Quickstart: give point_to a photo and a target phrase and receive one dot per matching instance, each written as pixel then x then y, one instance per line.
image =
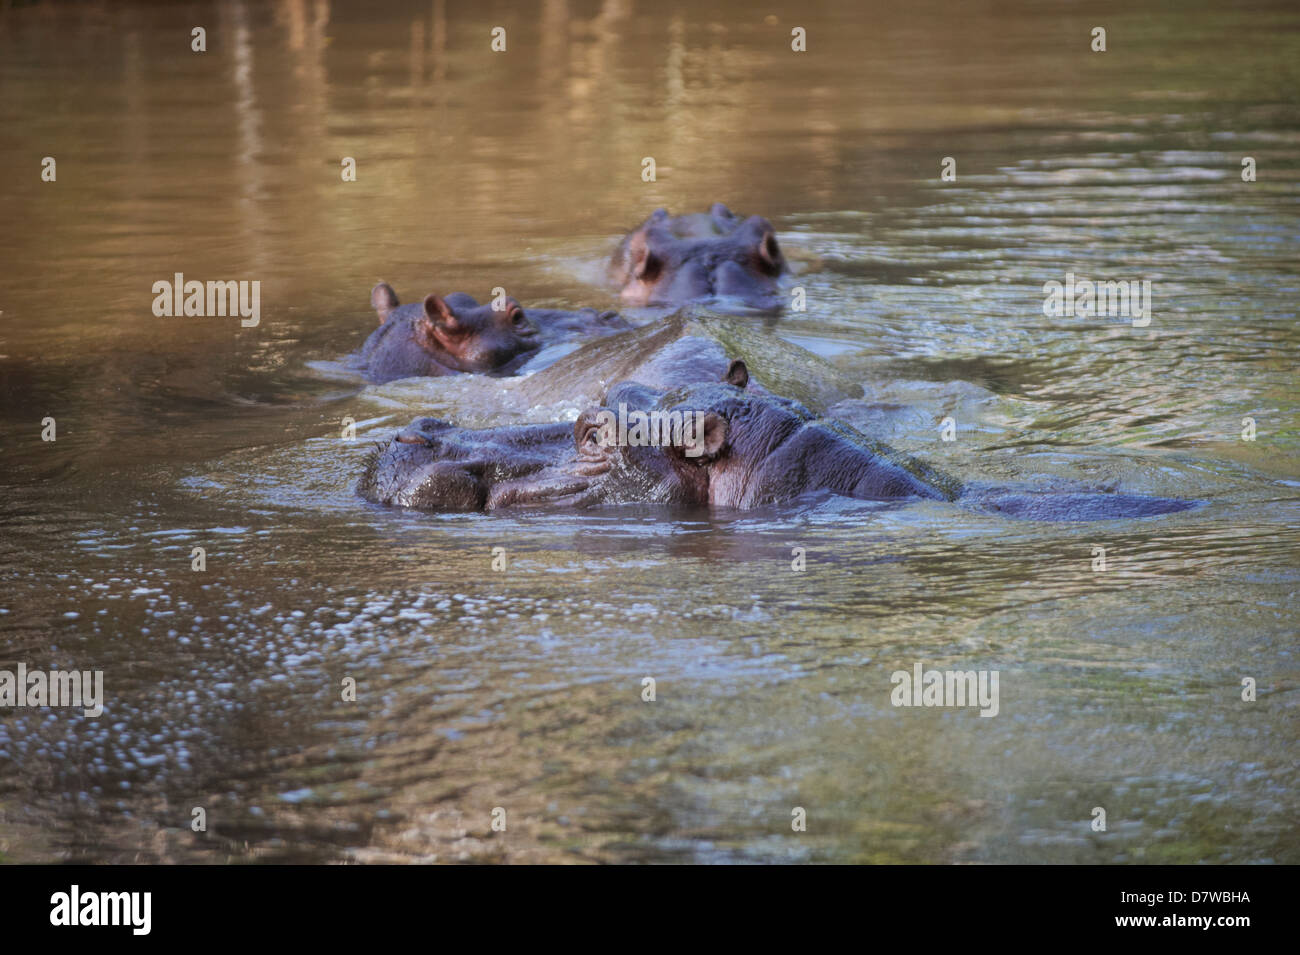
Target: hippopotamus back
pixel 686 348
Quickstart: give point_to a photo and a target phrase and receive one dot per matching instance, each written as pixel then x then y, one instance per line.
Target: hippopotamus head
pixel 741 447
pixel 675 260
pixel 455 333
pixel 717 444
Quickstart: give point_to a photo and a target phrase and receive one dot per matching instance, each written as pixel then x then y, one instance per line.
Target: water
pixel 522 689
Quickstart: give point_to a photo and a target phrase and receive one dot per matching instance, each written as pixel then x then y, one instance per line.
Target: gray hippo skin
pixel 746 449
pixel 687 347
pixel 674 260
pixel 455 335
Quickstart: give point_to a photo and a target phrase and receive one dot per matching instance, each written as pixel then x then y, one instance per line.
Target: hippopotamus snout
pixel 435 466
pixel 731 280
pixel 423 431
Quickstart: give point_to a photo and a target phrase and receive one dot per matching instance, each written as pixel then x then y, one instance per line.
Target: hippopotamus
pixel 455 334
pixel 716 444
pixel 718 256
pixel 688 346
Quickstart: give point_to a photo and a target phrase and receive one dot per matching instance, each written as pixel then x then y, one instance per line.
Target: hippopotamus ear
pixel 715 434
pixel 704 437
pixel 645 264
pixel 737 373
pixel 769 251
pixel 383 300
pixel 439 313
pixel 723 217
pixel 759 232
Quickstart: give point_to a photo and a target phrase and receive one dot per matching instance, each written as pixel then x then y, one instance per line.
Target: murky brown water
pixel 523 689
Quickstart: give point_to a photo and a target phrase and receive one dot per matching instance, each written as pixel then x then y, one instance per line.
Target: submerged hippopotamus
pixel 718 444
pixel 673 260
pixel 455 334
pixel 687 347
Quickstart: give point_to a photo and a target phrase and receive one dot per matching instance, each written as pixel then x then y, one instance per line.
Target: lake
pixel 226 689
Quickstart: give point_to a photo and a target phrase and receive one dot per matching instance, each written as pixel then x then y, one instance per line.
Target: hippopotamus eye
pixel 587 435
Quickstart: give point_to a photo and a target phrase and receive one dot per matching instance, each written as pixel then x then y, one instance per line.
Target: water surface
pixel 522 689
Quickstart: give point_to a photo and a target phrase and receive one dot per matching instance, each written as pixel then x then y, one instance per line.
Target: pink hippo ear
pixel 757 236
pixel 646 265
pixel 439 313
pixel 515 314
pixel 705 439
pixel 383 300
pixel 715 434
pixel 737 374
pixel 769 251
